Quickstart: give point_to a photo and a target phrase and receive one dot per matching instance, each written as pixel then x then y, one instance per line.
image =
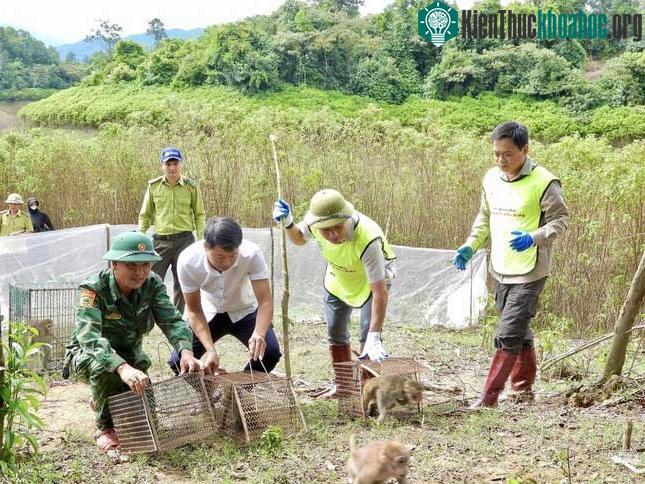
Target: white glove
pixel 282 213
pixel 374 349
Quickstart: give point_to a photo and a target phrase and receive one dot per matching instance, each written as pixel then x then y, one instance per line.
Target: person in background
pixel 173 204
pixel 39 219
pixel 14 221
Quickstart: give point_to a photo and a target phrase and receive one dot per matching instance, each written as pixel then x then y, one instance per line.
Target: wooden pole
pixel 625 322
pixel 627 436
pixel 285 272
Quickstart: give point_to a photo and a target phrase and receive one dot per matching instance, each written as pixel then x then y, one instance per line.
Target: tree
pixel 625 322
pixel 156 30
pixel 350 6
pixel 107 33
pixel 70 57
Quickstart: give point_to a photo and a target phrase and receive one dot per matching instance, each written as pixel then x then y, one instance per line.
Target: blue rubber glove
pixel 521 241
pixel 282 213
pixel 464 253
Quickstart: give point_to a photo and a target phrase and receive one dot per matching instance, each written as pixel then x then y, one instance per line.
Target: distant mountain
pixel 82 50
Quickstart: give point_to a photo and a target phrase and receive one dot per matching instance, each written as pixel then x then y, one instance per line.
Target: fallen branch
pixel 585 346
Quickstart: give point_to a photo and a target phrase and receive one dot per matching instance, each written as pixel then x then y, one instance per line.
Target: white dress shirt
pixel 223 292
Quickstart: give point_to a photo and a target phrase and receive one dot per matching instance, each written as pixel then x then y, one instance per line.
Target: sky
pixel 58 22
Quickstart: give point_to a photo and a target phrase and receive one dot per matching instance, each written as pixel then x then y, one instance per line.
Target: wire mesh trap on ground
pixel 169 414
pixel 194 408
pixel 246 403
pixel 351 377
pixel 50 307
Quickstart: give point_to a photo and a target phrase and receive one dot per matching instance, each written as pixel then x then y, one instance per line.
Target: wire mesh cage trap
pixel 246 403
pixel 351 377
pixel 170 413
pixel 194 408
pixel 50 308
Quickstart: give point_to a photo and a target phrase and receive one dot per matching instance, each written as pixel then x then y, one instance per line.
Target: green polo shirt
pixel 173 208
pixel 110 326
pixel 19 223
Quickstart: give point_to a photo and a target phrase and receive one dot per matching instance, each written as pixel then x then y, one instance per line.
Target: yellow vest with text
pixel 514 205
pixel 345 277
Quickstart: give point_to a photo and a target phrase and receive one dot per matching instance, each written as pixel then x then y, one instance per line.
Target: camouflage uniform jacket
pixel 110 327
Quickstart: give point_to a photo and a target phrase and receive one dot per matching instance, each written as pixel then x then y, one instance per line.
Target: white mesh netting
pixel 428 290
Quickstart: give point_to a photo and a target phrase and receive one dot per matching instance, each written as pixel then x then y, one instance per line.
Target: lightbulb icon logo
pixel 438 23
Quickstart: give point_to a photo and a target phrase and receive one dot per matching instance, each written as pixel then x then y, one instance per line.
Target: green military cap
pixel 132 247
pixel 328 208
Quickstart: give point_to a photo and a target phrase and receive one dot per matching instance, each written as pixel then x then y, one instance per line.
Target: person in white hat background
pixel 14 221
pixel 360 268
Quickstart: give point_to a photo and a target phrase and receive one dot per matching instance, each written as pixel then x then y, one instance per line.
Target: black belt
pixel 178 235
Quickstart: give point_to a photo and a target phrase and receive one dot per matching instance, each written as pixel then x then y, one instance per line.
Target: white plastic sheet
pixel 427 291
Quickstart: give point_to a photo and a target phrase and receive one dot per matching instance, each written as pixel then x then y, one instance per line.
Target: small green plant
pixel 20 388
pixel 272 440
pixel 551 340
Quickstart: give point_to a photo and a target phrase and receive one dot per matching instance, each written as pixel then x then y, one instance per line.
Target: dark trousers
pixel 517 305
pixel 222 325
pixel 169 251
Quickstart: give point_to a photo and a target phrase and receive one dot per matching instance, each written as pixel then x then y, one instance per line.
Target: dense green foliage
pixel 325 44
pixel 203 107
pixel 26 63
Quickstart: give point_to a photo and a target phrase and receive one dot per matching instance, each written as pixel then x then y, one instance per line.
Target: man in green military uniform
pixel 522 212
pixel 360 268
pixel 173 204
pixel 14 221
pixel 112 316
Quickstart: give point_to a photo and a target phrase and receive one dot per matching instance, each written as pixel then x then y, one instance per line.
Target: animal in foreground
pixel 377 462
pixel 388 391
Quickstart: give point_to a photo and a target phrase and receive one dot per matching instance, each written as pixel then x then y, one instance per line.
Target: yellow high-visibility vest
pixel 345 277
pixel 514 205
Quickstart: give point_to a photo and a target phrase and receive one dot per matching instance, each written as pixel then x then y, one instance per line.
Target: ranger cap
pixel 170 153
pixel 132 247
pixel 14 198
pixel 328 208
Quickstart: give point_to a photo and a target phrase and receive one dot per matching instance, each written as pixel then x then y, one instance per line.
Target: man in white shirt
pixel 225 282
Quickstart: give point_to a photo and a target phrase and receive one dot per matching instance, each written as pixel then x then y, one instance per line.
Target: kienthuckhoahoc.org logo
pixel 504 24
pixel 438 22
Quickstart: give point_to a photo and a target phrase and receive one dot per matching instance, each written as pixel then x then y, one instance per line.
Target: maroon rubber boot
pixel 339 353
pixel 500 369
pixel 523 375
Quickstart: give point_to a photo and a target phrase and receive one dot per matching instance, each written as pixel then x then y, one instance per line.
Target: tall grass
pixel 420 181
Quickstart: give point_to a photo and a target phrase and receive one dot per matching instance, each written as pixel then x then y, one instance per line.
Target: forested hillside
pixel 326 44
pixel 29 69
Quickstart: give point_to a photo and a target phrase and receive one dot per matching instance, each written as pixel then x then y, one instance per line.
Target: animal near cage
pixel 194 408
pixel 351 377
pixel 50 308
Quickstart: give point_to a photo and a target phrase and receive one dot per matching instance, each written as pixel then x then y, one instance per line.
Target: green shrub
pixel 20 388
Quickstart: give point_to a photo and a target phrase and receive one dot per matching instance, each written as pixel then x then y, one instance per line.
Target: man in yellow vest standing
pixel 173 204
pixel 522 212
pixel 14 221
pixel 360 267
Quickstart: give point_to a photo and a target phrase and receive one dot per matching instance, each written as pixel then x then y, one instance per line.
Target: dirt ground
pixel 516 443
pixel 8 118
